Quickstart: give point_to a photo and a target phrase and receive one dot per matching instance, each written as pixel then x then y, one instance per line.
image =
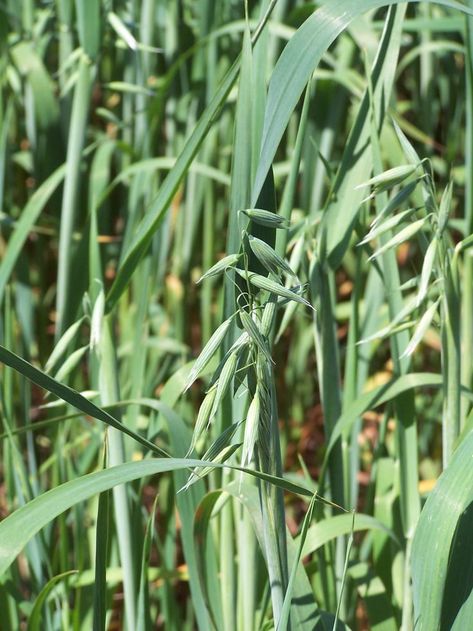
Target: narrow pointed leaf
pixel 70 396
pixel 35 618
pixel 284 619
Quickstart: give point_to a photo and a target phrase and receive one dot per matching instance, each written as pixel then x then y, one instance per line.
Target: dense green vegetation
pixel 236 315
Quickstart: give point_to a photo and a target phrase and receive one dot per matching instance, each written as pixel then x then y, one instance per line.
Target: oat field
pixel 236 315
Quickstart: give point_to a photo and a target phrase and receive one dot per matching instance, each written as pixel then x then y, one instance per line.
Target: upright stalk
pixel 404 409
pixel 109 392
pixel 467 283
pixel 80 111
pixel 451 356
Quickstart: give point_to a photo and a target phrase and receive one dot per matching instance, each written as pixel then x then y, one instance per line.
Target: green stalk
pixel 331 128
pixel 426 71
pixel 406 430
pixel 101 554
pixel 80 111
pixel 451 356
pixel 328 370
pixel 404 406
pixel 353 367
pixel 287 200
pixel 27 17
pixel 109 392
pixel 330 387
pixel 232 407
pixel 21 486
pixel 64 9
pixel 467 280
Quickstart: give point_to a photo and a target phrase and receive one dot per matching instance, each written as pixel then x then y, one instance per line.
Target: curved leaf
pixel 19 527
pixel 442 566
pixel 333 527
pixel 71 396
pixel 34 622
